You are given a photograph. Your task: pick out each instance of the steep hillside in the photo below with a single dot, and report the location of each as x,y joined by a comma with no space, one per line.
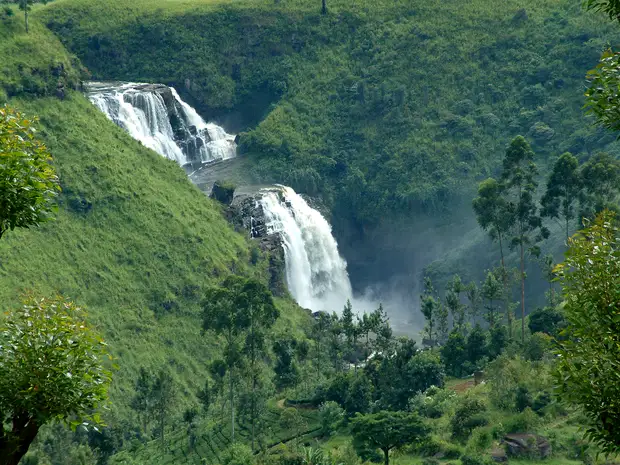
134,240
389,110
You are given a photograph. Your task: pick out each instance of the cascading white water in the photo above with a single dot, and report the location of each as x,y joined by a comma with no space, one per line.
316,273
157,116
145,117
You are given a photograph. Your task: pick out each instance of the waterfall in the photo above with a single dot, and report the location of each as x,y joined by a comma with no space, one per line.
156,115
316,274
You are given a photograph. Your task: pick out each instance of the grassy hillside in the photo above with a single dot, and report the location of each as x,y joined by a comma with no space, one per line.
134,240
391,111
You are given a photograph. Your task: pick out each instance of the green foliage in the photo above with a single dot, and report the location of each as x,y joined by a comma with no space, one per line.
548,320
237,454
454,354
609,7
358,396
336,110
331,416
588,367
285,369
519,175
28,182
51,368
525,421
400,377
387,430
498,339
537,346
433,403
491,291
470,414
479,442
506,375
475,460
601,180
477,347
493,211
563,189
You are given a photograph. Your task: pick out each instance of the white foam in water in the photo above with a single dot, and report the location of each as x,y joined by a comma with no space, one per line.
143,113
316,273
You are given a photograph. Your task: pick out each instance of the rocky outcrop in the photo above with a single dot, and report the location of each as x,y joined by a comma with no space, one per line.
246,214
527,445
223,192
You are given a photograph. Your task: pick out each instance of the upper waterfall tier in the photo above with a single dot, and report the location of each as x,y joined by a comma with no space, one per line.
316,274
155,115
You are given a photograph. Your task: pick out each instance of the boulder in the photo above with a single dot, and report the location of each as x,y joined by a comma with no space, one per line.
223,192
527,445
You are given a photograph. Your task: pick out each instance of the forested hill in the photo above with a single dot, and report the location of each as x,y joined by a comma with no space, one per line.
390,110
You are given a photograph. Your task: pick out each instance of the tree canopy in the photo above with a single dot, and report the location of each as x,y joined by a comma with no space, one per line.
51,368
589,362
28,182
387,430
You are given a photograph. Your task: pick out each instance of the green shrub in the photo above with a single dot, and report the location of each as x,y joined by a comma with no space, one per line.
237,454
433,403
537,346
479,441
469,415
541,401
523,399
524,422
331,416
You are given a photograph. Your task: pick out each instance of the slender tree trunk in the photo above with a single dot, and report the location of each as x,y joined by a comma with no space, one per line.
232,408
386,454
505,283
323,7
522,293
26,17
253,368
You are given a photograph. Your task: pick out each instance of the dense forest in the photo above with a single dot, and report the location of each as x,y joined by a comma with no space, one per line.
471,186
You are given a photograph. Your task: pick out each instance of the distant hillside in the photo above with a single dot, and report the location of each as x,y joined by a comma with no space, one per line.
134,240
390,110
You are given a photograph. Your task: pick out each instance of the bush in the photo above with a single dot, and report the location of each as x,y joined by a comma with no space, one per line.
523,399
537,346
480,440
468,416
541,401
524,422
433,403
237,454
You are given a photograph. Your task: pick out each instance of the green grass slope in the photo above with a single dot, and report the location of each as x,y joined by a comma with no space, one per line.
133,240
390,110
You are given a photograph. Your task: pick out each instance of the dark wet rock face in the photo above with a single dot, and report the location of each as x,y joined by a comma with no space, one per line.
223,192
527,445
246,214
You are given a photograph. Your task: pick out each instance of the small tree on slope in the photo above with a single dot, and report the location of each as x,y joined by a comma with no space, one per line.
388,430
50,369
28,183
